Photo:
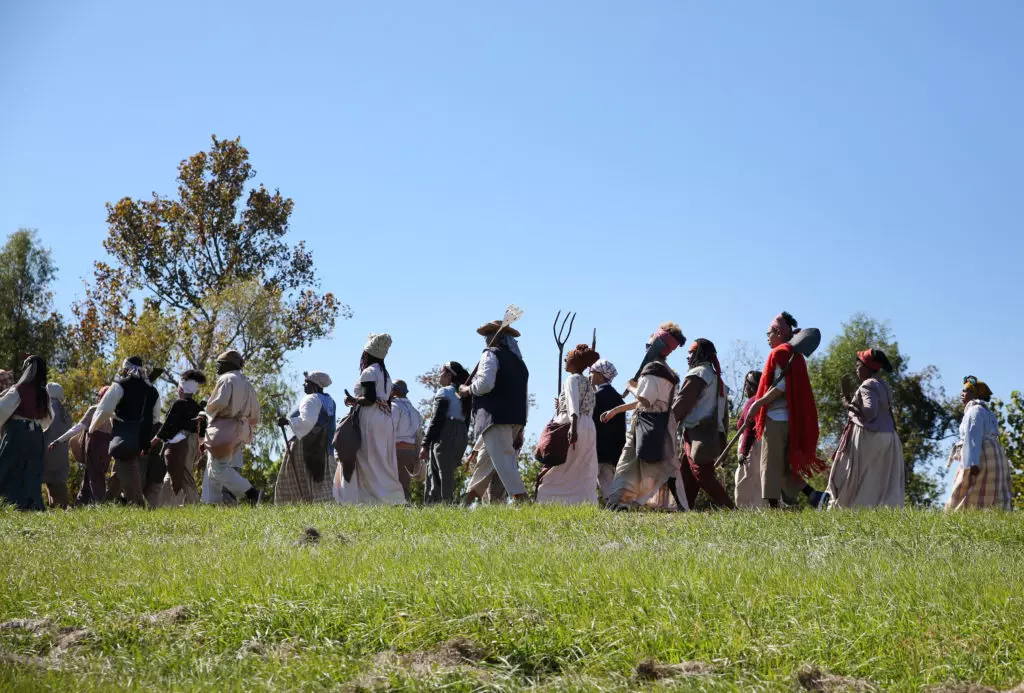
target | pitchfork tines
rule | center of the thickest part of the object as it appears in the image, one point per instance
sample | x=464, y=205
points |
x=561, y=338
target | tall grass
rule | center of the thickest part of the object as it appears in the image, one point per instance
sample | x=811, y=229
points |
x=506, y=597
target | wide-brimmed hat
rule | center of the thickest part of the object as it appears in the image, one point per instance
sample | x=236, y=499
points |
x=493, y=326
x=318, y=378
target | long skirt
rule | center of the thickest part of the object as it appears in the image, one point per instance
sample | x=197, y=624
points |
x=868, y=471
x=295, y=483
x=748, y=480
x=636, y=482
x=574, y=481
x=990, y=488
x=445, y=457
x=375, y=478
x=22, y=456
x=179, y=486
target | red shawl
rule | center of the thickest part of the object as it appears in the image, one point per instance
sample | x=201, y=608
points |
x=803, y=413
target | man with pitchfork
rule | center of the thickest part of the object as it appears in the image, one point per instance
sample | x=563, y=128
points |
x=499, y=388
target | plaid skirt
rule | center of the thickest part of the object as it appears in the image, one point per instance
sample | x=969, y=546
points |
x=990, y=488
x=296, y=485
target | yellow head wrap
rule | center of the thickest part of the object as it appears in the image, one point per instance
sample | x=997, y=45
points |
x=977, y=388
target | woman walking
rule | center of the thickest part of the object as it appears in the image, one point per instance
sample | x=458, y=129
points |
x=374, y=479
x=447, y=435
x=180, y=437
x=868, y=467
x=58, y=465
x=983, y=477
x=575, y=481
x=611, y=436
x=649, y=457
x=308, y=470
x=24, y=413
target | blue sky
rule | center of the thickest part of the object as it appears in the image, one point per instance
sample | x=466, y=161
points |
x=710, y=163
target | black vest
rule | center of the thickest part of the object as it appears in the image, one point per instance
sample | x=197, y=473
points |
x=507, y=402
x=137, y=404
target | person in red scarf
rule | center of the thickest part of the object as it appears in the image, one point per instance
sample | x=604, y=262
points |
x=786, y=419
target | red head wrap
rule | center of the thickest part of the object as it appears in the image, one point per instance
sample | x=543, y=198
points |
x=670, y=342
x=868, y=360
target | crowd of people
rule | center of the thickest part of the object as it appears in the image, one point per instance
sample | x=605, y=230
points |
x=663, y=455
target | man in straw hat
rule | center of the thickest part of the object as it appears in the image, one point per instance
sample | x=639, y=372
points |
x=232, y=413
x=500, y=404
x=308, y=470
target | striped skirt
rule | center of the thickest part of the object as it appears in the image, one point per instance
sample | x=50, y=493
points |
x=296, y=485
x=990, y=488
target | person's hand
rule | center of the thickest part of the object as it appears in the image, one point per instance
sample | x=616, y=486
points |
x=573, y=434
x=744, y=458
x=350, y=402
x=472, y=457
x=465, y=391
x=754, y=408
x=631, y=385
x=283, y=421
x=156, y=441
x=606, y=416
x=849, y=387
x=52, y=446
x=424, y=453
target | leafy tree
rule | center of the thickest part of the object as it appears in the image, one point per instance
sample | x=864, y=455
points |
x=1011, y=433
x=27, y=321
x=925, y=418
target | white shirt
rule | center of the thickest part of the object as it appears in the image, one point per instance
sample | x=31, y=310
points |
x=576, y=399
x=10, y=401
x=305, y=420
x=375, y=374
x=779, y=410
x=657, y=392
x=705, y=406
x=407, y=420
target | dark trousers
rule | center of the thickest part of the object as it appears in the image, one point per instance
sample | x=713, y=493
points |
x=702, y=476
x=97, y=462
x=127, y=480
x=445, y=458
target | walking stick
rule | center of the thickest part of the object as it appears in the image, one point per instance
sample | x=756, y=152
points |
x=561, y=339
x=803, y=342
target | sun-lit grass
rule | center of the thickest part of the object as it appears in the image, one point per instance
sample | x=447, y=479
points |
x=557, y=598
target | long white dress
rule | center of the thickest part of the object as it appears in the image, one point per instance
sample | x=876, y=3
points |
x=375, y=479
x=576, y=480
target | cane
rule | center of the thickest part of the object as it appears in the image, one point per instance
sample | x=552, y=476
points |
x=804, y=342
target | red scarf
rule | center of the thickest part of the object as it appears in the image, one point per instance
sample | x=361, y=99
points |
x=803, y=413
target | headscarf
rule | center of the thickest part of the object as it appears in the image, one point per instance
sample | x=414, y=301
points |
x=132, y=367
x=318, y=378
x=978, y=388
x=605, y=368
x=400, y=388
x=189, y=387
x=875, y=360
x=55, y=391
x=671, y=337
x=782, y=325
x=378, y=345
x=704, y=351
x=457, y=371
x=583, y=355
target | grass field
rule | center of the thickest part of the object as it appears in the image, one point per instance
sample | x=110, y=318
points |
x=508, y=598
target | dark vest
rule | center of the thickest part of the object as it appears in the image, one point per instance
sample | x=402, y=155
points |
x=507, y=402
x=137, y=404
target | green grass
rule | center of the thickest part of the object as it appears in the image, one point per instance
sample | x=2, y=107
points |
x=551, y=598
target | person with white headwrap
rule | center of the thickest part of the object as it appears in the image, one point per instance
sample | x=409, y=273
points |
x=374, y=478
x=307, y=473
x=24, y=414
x=179, y=434
x=58, y=465
x=611, y=436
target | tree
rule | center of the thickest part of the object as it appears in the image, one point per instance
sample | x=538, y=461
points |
x=1011, y=434
x=28, y=324
x=925, y=418
x=199, y=256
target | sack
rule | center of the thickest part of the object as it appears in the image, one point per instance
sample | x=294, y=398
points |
x=223, y=437
x=651, y=432
x=553, y=447
x=314, y=452
x=705, y=441
x=124, y=441
x=347, y=441
x=77, y=447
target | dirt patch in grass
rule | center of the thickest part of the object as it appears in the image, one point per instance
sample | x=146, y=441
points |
x=814, y=679
x=309, y=537
x=31, y=625
x=961, y=687
x=653, y=670
x=176, y=614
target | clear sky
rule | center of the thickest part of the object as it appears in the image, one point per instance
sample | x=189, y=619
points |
x=711, y=163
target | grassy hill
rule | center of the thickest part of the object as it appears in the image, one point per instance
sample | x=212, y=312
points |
x=507, y=598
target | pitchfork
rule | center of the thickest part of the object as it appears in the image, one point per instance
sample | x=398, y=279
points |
x=561, y=339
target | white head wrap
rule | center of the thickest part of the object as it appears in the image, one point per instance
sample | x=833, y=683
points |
x=605, y=368
x=377, y=345
x=189, y=387
x=318, y=378
x=55, y=391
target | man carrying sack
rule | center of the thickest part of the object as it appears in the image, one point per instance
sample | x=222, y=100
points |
x=232, y=413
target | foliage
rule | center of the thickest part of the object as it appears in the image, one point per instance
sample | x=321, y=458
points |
x=509, y=598
x=1011, y=434
x=28, y=324
x=925, y=418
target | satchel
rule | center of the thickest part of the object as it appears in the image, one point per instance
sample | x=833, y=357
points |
x=651, y=432
x=705, y=441
x=125, y=438
x=77, y=447
x=347, y=441
x=314, y=452
x=553, y=447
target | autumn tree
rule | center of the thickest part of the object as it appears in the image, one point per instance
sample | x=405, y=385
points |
x=28, y=324
x=925, y=418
